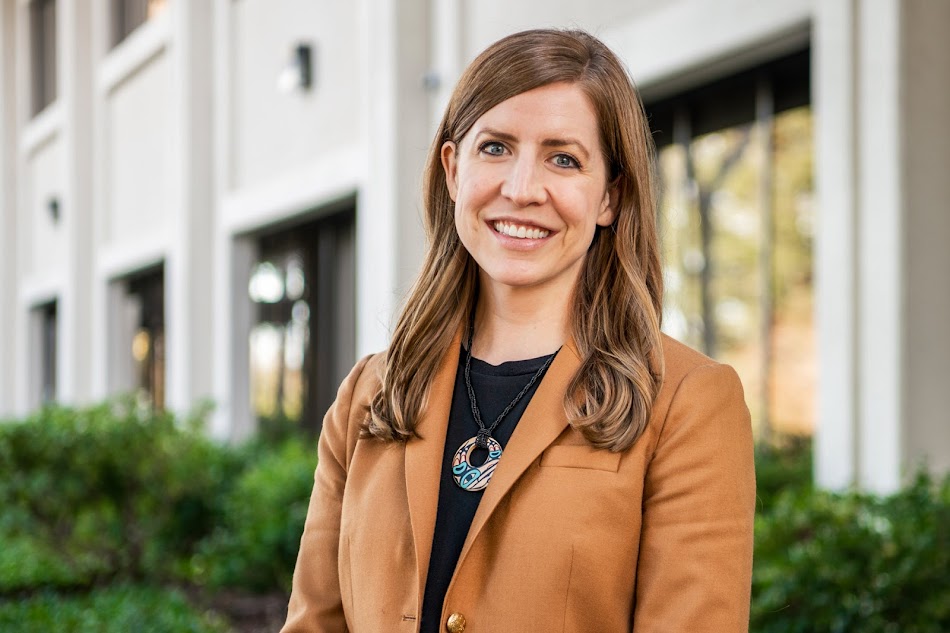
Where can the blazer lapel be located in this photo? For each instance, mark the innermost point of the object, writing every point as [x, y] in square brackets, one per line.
[543, 421]
[424, 461]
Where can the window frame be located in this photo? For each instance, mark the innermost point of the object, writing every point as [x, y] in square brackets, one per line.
[44, 75]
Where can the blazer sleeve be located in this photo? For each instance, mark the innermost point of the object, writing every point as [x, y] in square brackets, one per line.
[315, 603]
[695, 564]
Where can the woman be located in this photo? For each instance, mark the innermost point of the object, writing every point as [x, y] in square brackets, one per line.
[531, 453]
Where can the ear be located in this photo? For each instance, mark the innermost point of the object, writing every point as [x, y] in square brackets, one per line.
[449, 156]
[608, 211]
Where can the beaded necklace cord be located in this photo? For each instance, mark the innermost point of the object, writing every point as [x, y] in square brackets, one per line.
[467, 476]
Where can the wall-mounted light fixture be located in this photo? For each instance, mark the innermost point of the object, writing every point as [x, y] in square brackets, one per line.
[298, 73]
[432, 81]
[52, 207]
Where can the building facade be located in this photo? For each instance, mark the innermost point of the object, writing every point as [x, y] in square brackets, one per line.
[220, 200]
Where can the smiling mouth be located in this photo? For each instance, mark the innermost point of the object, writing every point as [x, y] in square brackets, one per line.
[519, 231]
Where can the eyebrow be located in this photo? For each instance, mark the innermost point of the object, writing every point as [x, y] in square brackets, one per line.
[548, 142]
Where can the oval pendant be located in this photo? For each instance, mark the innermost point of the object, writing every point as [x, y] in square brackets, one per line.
[475, 478]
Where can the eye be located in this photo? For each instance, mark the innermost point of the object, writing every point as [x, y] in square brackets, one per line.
[492, 148]
[566, 161]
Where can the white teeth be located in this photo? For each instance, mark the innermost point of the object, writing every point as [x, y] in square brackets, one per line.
[522, 232]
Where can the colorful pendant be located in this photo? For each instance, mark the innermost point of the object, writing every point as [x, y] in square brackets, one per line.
[475, 478]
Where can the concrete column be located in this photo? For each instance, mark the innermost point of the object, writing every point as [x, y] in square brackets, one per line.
[233, 418]
[834, 75]
[232, 415]
[75, 92]
[447, 58]
[882, 76]
[389, 240]
[105, 361]
[924, 157]
[188, 271]
[22, 361]
[880, 254]
[8, 158]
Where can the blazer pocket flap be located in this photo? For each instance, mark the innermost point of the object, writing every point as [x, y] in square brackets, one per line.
[580, 456]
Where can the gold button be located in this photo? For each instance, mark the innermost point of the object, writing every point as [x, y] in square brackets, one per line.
[455, 623]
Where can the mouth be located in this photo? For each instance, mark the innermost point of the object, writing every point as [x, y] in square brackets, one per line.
[520, 231]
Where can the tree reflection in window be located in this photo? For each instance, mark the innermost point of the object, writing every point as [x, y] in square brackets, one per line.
[736, 218]
[303, 341]
[280, 338]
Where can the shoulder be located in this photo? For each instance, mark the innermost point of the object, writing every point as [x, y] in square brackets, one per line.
[354, 395]
[364, 379]
[345, 417]
[680, 359]
[694, 382]
[684, 366]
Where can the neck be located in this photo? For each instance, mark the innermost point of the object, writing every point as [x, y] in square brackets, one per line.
[517, 324]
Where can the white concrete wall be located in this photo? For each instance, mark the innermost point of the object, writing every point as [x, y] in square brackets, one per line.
[274, 132]
[138, 128]
[133, 220]
[8, 156]
[489, 20]
[47, 240]
[277, 155]
[398, 135]
[691, 41]
[21, 105]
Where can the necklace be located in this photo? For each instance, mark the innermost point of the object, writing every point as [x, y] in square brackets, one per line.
[468, 476]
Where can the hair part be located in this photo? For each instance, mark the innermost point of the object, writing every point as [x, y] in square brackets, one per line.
[617, 302]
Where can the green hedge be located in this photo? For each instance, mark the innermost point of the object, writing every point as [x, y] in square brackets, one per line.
[829, 563]
[781, 466]
[255, 546]
[112, 495]
[118, 609]
[115, 492]
[105, 493]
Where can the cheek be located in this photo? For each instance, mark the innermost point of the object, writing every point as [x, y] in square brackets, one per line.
[469, 201]
[581, 209]
[465, 222]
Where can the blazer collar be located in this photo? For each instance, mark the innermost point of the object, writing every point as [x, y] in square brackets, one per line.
[543, 421]
[424, 461]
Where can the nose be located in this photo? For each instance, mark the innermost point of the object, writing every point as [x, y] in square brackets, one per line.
[523, 184]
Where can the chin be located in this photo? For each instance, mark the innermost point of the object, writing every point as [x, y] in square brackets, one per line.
[514, 279]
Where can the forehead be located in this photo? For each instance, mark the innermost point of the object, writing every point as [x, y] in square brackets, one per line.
[556, 110]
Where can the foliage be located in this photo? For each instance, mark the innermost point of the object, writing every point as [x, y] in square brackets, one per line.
[117, 609]
[255, 546]
[112, 491]
[113, 494]
[827, 562]
[781, 465]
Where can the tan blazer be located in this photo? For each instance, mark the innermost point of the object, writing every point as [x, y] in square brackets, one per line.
[566, 537]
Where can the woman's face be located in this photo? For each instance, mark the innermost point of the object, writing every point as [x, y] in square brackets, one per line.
[530, 188]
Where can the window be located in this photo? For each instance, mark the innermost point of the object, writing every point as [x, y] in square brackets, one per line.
[128, 15]
[47, 326]
[735, 222]
[146, 296]
[303, 343]
[43, 53]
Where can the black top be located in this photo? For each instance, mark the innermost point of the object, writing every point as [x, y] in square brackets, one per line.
[495, 387]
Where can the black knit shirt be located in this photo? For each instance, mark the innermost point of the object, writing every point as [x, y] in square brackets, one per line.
[495, 387]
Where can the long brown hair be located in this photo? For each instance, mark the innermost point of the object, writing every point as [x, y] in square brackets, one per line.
[617, 301]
